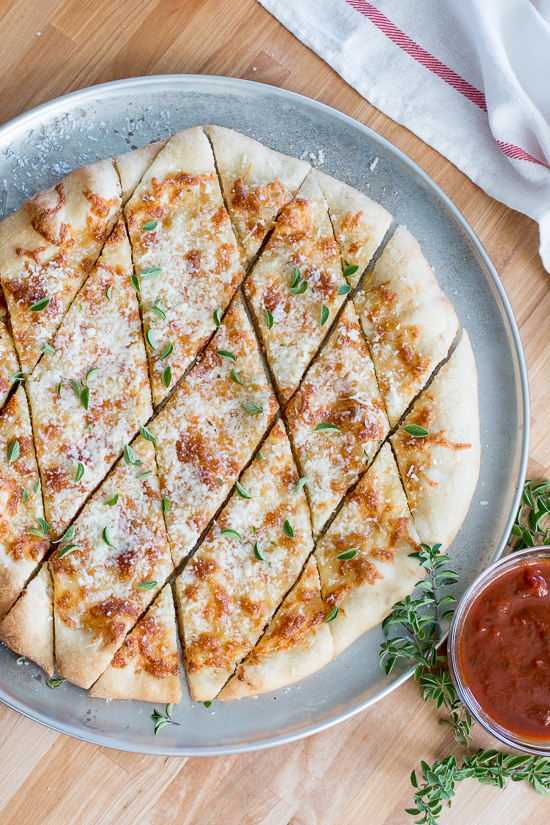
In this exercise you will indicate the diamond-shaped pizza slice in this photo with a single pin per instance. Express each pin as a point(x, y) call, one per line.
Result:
point(47, 249)
point(359, 224)
point(257, 183)
point(146, 667)
point(185, 254)
point(28, 627)
point(91, 394)
point(210, 428)
point(337, 418)
point(23, 531)
point(250, 558)
point(438, 449)
point(363, 557)
point(296, 644)
point(296, 286)
point(108, 570)
point(9, 366)
point(131, 166)
point(409, 322)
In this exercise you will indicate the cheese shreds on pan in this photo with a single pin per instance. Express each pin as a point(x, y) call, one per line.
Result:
point(440, 467)
point(9, 366)
point(146, 667)
point(210, 429)
point(359, 223)
point(47, 249)
point(185, 255)
point(131, 166)
point(409, 322)
point(375, 530)
point(20, 502)
point(296, 286)
point(250, 558)
point(28, 628)
point(337, 418)
point(296, 644)
point(91, 395)
point(107, 573)
point(257, 183)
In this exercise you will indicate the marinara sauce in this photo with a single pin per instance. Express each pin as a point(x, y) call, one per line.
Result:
point(504, 649)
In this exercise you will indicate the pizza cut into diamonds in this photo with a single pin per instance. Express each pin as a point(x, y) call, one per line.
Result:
point(409, 322)
point(146, 667)
point(257, 183)
point(296, 286)
point(187, 262)
point(363, 557)
point(109, 568)
point(47, 249)
point(337, 418)
point(296, 643)
point(90, 393)
point(131, 166)
point(23, 531)
point(438, 448)
point(249, 559)
point(210, 429)
point(28, 627)
point(359, 224)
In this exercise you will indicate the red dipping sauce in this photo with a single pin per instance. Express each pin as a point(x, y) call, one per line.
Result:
point(500, 649)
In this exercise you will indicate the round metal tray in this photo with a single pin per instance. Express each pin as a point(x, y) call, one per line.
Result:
point(37, 148)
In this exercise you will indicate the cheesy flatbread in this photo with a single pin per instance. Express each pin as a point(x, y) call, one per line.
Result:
point(210, 429)
point(20, 502)
point(9, 366)
point(337, 418)
point(107, 573)
point(409, 322)
point(28, 627)
point(296, 286)
point(91, 394)
point(47, 249)
point(296, 644)
point(131, 166)
point(257, 183)
point(146, 667)
point(250, 558)
point(363, 558)
point(185, 254)
point(440, 469)
point(359, 223)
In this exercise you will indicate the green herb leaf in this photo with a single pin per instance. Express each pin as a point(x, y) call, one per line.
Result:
point(325, 312)
point(326, 425)
point(110, 502)
point(231, 534)
point(268, 319)
point(344, 289)
point(76, 388)
point(58, 388)
point(67, 535)
point(54, 683)
point(259, 456)
point(47, 349)
point(242, 492)
point(416, 431)
point(150, 337)
point(24, 495)
point(136, 284)
point(147, 434)
point(348, 554)
point(253, 409)
point(130, 456)
point(217, 317)
point(301, 482)
point(79, 471)
point(165, 505)
point(107, 537)
point(13, 451)
point(147, 585)
point(298, 290)
point(349, 269)
point(288, 530)
point(168, 350)
point(64, 551)
point(158, 312)
point(332, 615)
point(150, 272)
point(236, 377)
point(167, 377)
point(149, 226)
point(296, 276)
point(109, 292)
point(33, 532)
point(36, 488)
point(85, 398)
point(44, 526)
point(259, 553)
point(92, 373)
point(143, 476)
point(18, 378)
point(224, 353)
point(40, 305)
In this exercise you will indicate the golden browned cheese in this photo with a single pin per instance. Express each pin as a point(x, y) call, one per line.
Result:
point(146, 649)
point(252, 202)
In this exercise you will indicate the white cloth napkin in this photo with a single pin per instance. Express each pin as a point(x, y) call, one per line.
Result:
point(469, 77)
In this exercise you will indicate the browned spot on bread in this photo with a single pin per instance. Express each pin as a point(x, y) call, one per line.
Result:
point(100, 207)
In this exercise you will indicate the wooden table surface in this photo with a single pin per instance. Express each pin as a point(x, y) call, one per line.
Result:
point(357, 772)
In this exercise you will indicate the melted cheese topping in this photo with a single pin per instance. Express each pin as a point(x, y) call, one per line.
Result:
point(9, 365)
point(340, 388)
point(102, 334)
point(97, 585)
point(376, 521)
point(226, 594)
point(48, 248)
point(302, 238)
point(194, 247)
point(19, 551)
point(205, 436)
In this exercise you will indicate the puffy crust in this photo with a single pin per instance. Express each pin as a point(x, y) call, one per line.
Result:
point(48, 247)
point(340, 388)
point(192, 247)
point(359, 222)
point(409, 322)
point(146, 667)
point(440, 471)
point(257, 183)
point(132, 166)
point(9, 365)
point(303, 238)
point(376, 521)
point(28, 627)
point(20, 552)
point(226, 595)
point(295, 645)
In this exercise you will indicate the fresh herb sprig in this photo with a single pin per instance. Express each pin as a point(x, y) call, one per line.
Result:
point(528, 529)
point(163, 719)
